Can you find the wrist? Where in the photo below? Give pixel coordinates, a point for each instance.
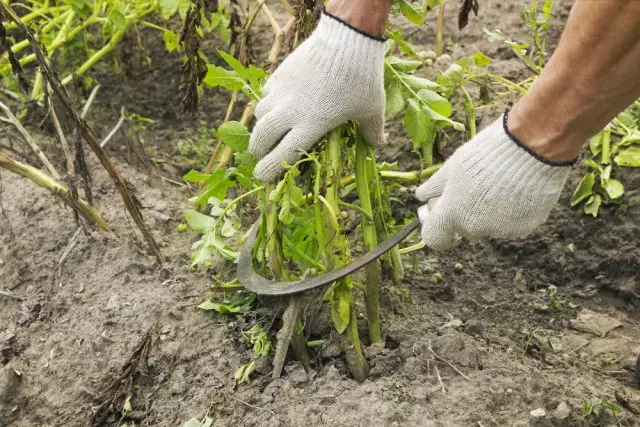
(367, 16)
(552, 119)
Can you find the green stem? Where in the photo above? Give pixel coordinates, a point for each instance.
(274, 250)
(372, 271)
(37, 90)
(39, 13)
(382, 214)
(55, 45)
(302, 255)
(412, 248)
(471, 112)
(606, 145)
(115, 39)
(409, 176)
(290, 334)
(440, 30)
(233, 203)
(356, 208)
(339, 254)
(499, 79)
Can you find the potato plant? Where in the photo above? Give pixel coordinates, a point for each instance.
(307, 214)
(616, 146)
(82, 33)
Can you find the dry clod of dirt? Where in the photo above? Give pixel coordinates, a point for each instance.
(10, 380)
(562, 411)
(594, 323)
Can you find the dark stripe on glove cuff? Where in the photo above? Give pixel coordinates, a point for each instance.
(526, 148)
(345, 23)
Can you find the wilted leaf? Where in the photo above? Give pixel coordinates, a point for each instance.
(227, 229)
(194, 422)
(584, 190)
(595, 143)
(613, 187)
(629, 157)
(593, 205)
(235, 135)
(465, 9)
(341, 307)
(198, 222)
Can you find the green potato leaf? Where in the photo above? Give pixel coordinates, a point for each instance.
(418, 83)
(242, 72)
(168, 8)
(413, 14)
(435, 102)
(593, 205)
(481, 60)
(199, 222)
(218, 76)
(235, 135)
(416, 121)
(171, 40)
(584, 189)
(614, 188)
(196, 176)
(403, 65)
(629, 157)
(395, 98)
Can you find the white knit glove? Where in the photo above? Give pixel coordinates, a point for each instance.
(493, 186)
(336, 75)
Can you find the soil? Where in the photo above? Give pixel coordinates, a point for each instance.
(485, 346)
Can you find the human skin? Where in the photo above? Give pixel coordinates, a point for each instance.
(592, 76)
(369, 16)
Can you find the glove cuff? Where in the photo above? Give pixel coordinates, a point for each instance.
(505, 121)
(353, 47)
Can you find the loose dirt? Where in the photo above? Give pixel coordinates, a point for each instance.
(486, 346)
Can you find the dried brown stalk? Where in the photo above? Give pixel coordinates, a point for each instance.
(87, 134)
(45, 161)
(60, 191)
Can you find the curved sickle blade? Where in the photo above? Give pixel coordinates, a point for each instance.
(253, 282)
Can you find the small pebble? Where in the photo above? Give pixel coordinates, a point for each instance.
(562, 412)
(538, 413)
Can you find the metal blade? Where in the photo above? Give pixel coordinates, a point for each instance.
(254, 282)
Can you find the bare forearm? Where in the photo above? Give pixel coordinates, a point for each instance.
(592, 76)
(369, 16)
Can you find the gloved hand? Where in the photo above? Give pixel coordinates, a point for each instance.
(493, 186)
(336, 75)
